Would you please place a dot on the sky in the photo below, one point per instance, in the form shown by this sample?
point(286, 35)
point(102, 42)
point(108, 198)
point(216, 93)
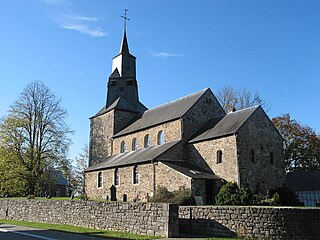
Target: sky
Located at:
point(182, 46)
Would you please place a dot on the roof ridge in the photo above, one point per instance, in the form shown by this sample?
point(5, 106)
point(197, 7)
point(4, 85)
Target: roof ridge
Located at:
point(243, 109)
point(178, 99)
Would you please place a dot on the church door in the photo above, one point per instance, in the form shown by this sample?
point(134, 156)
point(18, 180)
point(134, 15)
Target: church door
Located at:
point(113, 193)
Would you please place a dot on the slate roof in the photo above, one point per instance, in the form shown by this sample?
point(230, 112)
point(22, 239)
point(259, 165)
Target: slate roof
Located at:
point(304, 180)
point(121, 104)
point(225, 125)
point(164, 113)
point(190, 170)
point(133, 157)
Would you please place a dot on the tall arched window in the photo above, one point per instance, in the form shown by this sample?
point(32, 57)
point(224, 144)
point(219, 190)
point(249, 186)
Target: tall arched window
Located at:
point(146, 142)
point(134, 144)
point(219, 156)
point(271, 158)
point(99, 179)
point(122, 147)
point(160, 138)
point(135, 174)
point(252, 156)
point(116, 177)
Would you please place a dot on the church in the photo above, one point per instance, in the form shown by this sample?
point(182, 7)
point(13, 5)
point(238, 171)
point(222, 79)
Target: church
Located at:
point(190, 142)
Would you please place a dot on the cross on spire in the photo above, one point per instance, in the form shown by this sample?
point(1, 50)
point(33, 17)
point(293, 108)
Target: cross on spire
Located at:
point(125, 19)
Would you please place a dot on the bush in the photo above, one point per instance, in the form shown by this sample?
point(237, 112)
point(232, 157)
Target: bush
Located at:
point(231, 194)
point(182, 196)
point(31, 197)
point(281, 196)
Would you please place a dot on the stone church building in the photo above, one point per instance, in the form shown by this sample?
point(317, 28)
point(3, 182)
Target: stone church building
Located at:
point(190, 142)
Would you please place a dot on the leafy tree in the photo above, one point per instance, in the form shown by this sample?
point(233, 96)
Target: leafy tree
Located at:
point(301, 144)
point(231, 98)
point(34, 134)
point(182, 196)
point(232, 194)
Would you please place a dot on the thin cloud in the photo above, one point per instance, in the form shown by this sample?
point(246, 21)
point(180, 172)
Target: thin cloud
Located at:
point(82, 18)
point(166, 54)
point(75, 22)
point(85, 29)
point(58, 2)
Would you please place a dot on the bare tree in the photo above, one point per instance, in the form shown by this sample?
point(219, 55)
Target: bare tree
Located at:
point(231, 98)
point(81, 164)
point(35, 133)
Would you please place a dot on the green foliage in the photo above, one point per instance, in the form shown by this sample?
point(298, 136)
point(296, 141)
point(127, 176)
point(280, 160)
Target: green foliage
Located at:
point(29, 197)
point(33, 138)
point(231, 194)
point(182, 196)
point(283, 196)
point(302, 144)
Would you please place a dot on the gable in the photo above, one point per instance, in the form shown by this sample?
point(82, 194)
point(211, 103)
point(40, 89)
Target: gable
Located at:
point(226, 125)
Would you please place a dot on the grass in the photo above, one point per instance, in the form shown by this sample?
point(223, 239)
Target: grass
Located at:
point(79, 230)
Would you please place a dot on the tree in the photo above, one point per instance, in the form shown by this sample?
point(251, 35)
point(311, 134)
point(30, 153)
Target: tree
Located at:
point(231, 98)
point(301, 144)
point(34, 134)
point(232, 194)
point(81, 164)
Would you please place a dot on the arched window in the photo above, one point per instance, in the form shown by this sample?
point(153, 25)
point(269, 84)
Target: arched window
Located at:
point(219, 156)
point(252, 156)
point(122, 147)
point(135, 174)
point(134, 144)
point(146, 142)
point(160, 138)
point(99, 179)
point(271, 158)
point(116, 177)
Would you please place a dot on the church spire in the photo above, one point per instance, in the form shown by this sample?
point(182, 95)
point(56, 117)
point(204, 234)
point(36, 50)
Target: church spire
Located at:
point(124, 45)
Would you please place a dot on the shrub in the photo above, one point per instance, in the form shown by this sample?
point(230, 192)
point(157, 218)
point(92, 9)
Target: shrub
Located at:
point(182, 196)
point(231, 194)
point(31, 197)
point(282, 196)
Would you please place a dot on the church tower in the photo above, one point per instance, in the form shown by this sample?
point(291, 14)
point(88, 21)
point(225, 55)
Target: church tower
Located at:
point(122, 104)
point(122, 82)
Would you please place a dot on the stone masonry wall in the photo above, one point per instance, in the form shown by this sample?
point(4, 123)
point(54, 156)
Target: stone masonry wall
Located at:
point(206, 108)
point(172, 132)
point(102, 128)
point(260, 136)
point(101, 131)
point(205, 155)
point(251, 222)
point(142, 191)
point(153, 219)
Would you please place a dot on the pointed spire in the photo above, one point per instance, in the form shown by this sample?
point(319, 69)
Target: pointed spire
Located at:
point(124, 45)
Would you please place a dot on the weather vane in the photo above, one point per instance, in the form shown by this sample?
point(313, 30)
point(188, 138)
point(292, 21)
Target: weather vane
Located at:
point(125, 19)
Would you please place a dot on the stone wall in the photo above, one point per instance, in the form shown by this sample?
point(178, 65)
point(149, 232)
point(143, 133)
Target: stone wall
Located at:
point(251, 222)
point(260, 136)
point(150, 177)
point(206, 108)
point(153, 219)
point(205, 154)
point(172, 132)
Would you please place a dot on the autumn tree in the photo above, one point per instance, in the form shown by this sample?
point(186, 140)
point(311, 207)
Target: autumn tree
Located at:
point(34, 134)
point(231, 98)
point(301, 144)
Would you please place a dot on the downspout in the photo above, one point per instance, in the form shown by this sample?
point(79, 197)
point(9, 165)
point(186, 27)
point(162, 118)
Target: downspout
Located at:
point(153, 176)
point(237, 160)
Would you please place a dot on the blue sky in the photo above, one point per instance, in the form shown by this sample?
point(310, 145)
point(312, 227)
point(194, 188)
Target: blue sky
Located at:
point(182, 46)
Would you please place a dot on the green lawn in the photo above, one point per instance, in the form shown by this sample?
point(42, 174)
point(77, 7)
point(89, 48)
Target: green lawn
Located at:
point(88, 231)
point(80, 230)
